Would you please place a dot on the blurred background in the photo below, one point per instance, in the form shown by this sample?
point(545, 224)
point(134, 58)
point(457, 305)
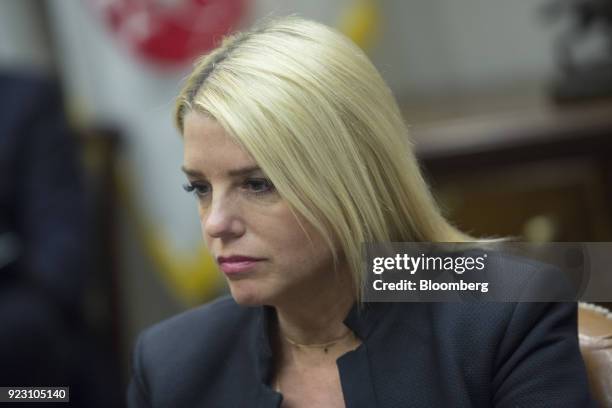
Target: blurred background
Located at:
point(509, 105)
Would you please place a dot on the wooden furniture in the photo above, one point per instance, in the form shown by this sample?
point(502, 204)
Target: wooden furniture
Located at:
point(534, 171)
point(519, 167)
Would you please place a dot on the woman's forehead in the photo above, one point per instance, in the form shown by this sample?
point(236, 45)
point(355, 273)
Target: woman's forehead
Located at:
point(209, 148)
point(198, 125)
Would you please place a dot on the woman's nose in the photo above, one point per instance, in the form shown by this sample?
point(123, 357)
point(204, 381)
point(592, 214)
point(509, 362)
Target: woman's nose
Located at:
point(222, 219)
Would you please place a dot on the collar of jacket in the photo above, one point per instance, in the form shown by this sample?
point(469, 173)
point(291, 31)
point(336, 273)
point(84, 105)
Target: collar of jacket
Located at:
point(353, 366)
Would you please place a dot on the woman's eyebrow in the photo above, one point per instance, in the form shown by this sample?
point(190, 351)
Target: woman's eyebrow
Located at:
point(243, 171)
point(232, 173)
point(190, 172)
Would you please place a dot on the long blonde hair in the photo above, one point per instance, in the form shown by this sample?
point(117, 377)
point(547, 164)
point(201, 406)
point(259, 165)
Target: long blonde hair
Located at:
point(316, 115)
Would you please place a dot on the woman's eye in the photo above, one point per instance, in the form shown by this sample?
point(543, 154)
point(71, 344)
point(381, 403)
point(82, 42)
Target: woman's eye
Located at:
point(259, 186)
point(198, 189)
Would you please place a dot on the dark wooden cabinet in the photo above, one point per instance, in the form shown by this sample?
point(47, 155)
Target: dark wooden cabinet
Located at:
point(535, 172)
point(541, 173)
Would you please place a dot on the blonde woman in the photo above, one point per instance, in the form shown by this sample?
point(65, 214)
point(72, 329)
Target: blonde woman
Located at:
point(296, 153)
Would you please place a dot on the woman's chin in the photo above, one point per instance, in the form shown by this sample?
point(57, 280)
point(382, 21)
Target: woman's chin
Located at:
point(247, 296)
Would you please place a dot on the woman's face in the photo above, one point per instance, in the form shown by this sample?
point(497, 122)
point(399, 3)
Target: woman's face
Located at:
point(257, 241)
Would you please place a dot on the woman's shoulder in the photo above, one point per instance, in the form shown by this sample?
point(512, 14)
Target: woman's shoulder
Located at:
point(173, 353)
point(220, 314)
point(205, 327)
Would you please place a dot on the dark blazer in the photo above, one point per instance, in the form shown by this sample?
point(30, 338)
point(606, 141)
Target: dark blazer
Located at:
point(412, 355)
point(44, 339)
point(42, 201)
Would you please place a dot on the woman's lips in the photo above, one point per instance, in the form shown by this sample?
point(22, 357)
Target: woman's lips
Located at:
point(237, 264)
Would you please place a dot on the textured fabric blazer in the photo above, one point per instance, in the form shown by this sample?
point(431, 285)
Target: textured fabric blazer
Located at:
point(412, 355)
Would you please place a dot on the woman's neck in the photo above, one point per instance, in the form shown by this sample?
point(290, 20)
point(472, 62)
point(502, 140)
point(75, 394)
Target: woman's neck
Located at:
point(316, 316)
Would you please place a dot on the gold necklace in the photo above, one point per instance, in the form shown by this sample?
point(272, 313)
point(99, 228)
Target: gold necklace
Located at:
point(324, 346)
